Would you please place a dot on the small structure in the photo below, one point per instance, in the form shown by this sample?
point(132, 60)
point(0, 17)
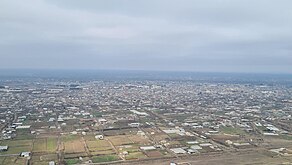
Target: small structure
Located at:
point(3, 148)
point(139, 113)
point(178, 150)
point(23, 127)
point(52, 119)
point(147, 148)
point(205, 144)
point(134, 124)
point(51, 163)
point(191, 151)
point(99, 137)
point(196, 147)
point(25, 154)
point(102, 121)
point(74, 132)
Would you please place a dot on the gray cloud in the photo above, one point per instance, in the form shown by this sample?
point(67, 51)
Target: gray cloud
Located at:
point(193, 35)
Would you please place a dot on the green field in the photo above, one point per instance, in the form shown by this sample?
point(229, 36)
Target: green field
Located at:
point(135, 155)
point(51, 144)
point(17, 146)
point(107, 158)
point(72, 161)
point(69, 138)
point(45, 144)
point(232, 130)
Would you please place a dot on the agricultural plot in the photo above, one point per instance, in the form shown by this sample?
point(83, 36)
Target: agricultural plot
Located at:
point(105, 158)
point(135, 155)
point(17, 146)
point(120, 140)
point(139, 139)
point(47, 145)
point(232, 130)
point(73, 144)
point(51, 144)
point(23, 134)
point(98, 145)
point(40, 145)
point(12, 161)
point(72, 161)
point(154, 154)
point(75, 155)
point(160, 136)
point(39, 159)
point(133, 152)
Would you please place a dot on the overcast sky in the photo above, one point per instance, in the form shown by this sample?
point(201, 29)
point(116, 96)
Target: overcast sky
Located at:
point(181, 35)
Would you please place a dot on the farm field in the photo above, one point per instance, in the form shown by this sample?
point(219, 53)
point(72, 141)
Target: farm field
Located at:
point(12, 161)
point(47, 145)
point(73, 144)
point(120, 140)
point(17, 146)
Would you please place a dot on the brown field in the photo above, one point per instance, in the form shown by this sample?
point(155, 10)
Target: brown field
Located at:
point(139, 139)
point(13, 161)
point(120, 140)
point(154, 154)
point(73, 144)
point(173, 144)
point(160, 136)
point(221, 137)
point(74, 147)
point(98, 145)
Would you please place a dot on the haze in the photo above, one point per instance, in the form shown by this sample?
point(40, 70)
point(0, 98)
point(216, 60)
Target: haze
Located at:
point(169, 35)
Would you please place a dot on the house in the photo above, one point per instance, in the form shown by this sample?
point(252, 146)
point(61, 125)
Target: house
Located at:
point(102, 121)
point(3, 148)
point(147, 148)
point(134, 124)
point(51, 163)
point(99, 137)
point(25, 154)
point(23, 127)
point(178, 150)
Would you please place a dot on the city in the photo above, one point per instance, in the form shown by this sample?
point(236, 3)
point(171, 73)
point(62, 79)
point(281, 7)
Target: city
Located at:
point(61, 121)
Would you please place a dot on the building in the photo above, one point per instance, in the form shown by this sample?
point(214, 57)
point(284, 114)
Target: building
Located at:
point(147, 148)
point(51, 163)
point(25, 154)
point(3, 148)
point(178, 150)
point(99, 137)
point(134, 124)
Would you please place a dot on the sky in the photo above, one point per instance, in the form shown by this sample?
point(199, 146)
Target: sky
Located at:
point(168, 35)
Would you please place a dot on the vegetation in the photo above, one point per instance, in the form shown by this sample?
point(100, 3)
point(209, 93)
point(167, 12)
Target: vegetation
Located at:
point(232, 130)
point(71, 161)
point(107, 158)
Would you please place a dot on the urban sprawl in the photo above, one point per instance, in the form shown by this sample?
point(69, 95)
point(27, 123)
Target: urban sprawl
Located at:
point(56, 122)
